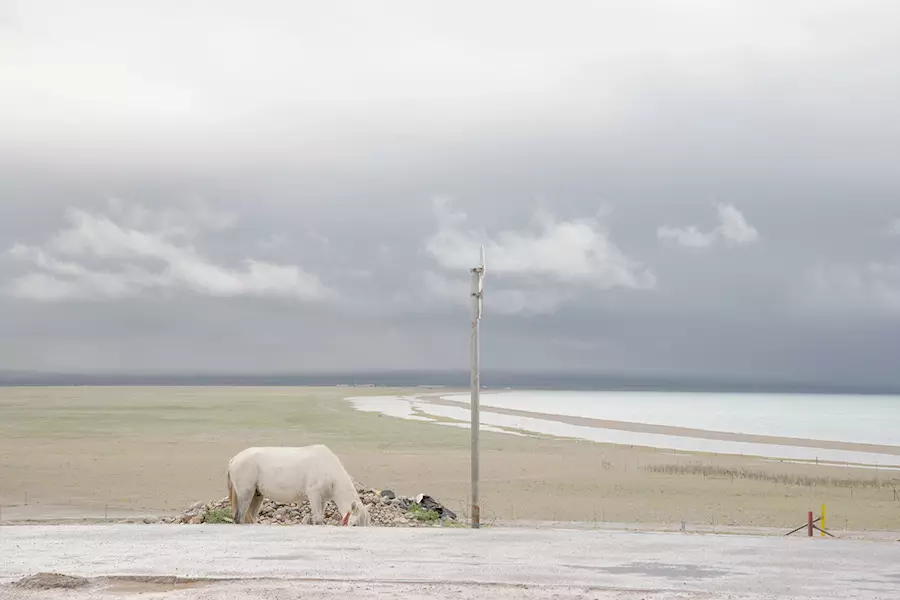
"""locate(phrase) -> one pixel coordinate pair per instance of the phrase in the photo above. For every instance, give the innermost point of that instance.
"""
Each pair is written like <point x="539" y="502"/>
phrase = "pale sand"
<point x="83" y="451"/>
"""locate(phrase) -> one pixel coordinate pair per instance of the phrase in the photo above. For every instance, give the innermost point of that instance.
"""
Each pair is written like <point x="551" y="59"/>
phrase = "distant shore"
<point x="492" y="379"/>
<point x="131" y="451"/>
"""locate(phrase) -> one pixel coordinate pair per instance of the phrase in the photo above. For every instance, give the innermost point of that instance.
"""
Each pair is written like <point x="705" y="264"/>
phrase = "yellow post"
<point x="822" y="534"/>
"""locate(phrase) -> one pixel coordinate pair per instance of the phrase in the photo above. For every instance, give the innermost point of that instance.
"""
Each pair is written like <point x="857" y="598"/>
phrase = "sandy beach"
<point x="75" y="452"/>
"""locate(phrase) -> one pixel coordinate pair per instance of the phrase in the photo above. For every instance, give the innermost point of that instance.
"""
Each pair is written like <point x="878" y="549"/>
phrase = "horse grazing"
<point x="285" y="474"/>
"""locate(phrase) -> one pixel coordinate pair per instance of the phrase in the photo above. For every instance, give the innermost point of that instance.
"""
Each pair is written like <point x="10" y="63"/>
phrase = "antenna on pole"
<point x="477" y="307"/>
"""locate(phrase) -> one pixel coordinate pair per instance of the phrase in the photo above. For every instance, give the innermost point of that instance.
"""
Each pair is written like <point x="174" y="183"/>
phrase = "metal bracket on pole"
<point x="810" y="526"/>
<point x="477" y="306"/>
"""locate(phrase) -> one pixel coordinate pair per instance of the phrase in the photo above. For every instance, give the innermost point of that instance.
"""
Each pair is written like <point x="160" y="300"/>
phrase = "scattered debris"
<point x="429" y="503"/>
<point x="385" y="508"/>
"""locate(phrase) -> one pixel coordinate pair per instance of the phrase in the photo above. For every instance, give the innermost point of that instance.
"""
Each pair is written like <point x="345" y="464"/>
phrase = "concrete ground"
<point x="327" y="562"/>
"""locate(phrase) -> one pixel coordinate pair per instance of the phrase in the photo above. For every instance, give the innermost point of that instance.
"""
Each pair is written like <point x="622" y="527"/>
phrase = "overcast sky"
<point x="697" y="188"/>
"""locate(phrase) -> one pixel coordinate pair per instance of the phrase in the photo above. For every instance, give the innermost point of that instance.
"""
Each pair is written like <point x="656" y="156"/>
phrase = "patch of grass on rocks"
<point x="218" y="516"/>
<point x="423" y="515"/>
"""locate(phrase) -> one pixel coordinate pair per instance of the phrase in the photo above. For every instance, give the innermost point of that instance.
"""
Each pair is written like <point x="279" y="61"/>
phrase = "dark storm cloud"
<point x="692" y="188"/>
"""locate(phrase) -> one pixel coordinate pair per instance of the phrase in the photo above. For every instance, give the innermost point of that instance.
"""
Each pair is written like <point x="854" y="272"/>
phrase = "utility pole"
<point x="477" y="306"/>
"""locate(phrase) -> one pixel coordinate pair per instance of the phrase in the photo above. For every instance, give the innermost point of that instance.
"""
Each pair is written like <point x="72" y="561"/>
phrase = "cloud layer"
<point x="318" y="134"/>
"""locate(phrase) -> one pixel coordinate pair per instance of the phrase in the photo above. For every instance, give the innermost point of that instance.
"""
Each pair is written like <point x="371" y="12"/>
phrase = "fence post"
<point x="809" y="523"/>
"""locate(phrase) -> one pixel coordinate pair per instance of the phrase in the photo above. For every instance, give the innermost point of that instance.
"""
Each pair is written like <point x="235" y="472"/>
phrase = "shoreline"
<point x="683" y="431"/>
<point x="745" y="442"/>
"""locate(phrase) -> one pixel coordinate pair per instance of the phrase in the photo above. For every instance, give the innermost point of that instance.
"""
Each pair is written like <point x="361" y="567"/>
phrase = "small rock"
<point x="388" y="494"/>
<point x="151" y="520"/>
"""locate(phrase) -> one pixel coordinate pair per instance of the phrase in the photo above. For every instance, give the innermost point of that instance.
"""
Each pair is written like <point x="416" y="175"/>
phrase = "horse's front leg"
<point x="316" y="507"/>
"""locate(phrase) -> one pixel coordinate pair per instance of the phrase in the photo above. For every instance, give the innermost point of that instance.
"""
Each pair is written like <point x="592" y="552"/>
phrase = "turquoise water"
<point x="861" y="419"/>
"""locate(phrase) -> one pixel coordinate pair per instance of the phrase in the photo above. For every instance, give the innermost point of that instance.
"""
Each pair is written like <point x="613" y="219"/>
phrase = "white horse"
<point x="285" y="474"/>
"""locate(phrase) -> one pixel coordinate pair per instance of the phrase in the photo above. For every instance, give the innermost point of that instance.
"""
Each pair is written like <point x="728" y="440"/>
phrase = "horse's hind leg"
<point x="240" y="506"/>
<point x="232" y="499"/>
<point x="316" y="507"/>
<point x="236" y="512"/>
<point x="235" y="500"/>
<point x="255" y="505"/>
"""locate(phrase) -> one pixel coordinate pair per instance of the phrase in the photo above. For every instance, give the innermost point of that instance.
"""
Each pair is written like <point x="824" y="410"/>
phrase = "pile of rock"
<point x="385" y="508"/>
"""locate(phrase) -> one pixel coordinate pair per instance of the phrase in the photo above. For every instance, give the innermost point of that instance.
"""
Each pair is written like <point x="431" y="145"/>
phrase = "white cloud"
<point x="134" y="251"/>
<point x="689" y="237"/>
<point x="537" y="270"/>
<point x="733" y="229"/>
<point x="578" y="251"/>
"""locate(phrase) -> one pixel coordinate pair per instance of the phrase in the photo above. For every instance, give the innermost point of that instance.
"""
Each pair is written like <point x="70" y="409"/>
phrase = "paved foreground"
<point x="330" y="562"/>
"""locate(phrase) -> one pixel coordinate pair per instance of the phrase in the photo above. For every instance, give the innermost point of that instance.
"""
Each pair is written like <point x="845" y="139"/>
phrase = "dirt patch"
<point x="144" y="585"/>
<point x="51" y="581"/>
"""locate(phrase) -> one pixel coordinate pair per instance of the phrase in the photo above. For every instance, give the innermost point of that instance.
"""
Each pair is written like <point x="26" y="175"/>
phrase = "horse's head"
<point x="358" y="515"/>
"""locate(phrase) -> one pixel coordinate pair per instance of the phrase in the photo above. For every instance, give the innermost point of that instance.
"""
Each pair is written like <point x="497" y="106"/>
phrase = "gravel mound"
<point x="386" y="510"/>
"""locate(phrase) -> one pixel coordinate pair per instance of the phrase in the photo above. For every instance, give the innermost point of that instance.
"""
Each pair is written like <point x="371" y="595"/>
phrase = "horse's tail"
<point x="232" y="497"/>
